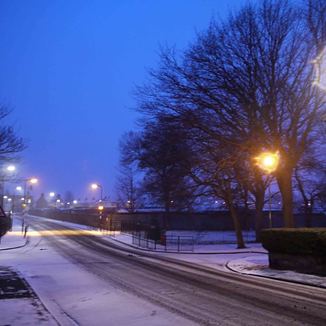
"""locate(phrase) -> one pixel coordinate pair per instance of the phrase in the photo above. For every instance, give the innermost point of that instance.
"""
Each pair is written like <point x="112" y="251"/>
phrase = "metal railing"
<point x="166" y="243"/>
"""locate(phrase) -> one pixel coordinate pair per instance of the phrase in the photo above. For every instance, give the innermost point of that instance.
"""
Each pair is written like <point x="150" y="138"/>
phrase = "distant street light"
<point x="31" y="181"/>
<point x="96" y="186"/>
<point x="6" y="169"/>
<point x="11" y="168"/>
<point x="52" y="194"/>
<point x="75" y="202"/>
<point x="268" y="162"/>
<point x="19" y="188"/>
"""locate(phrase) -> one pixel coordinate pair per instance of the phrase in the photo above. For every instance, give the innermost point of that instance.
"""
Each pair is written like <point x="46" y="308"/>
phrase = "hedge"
<point x="300" y="241"/>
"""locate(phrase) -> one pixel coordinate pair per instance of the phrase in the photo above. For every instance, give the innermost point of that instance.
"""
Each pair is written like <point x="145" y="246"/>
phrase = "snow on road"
<point x="73" y="295"/>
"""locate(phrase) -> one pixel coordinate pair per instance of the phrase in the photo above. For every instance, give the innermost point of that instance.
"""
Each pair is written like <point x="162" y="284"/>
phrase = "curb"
<point x="17" y="247"/>
<point x="273" y="277"/>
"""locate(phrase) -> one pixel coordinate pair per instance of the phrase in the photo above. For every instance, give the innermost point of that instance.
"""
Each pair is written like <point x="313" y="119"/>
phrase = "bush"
<point x="301" y="241"/>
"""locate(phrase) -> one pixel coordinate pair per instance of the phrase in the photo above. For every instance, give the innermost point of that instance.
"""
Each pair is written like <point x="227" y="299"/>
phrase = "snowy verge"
<point x="258" y="266"/>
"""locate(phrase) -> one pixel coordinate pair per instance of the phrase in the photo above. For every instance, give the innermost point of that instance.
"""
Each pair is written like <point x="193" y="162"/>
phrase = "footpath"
<point x="19" y="304"/>
<point x="25" y="307"/>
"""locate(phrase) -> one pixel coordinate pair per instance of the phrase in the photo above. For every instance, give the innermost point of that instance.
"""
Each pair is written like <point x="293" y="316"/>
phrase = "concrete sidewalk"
<point x="17" y="298"/>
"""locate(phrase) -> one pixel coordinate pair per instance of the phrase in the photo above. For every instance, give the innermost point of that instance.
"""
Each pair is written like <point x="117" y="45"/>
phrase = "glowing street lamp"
<point x="96" y="186"/>
<point x="268" y="162"/>
<point x="19" y="188"/>
<point x="52" y="194"/>
<point x="11" y="168"/>
<point x="31" y="181"/>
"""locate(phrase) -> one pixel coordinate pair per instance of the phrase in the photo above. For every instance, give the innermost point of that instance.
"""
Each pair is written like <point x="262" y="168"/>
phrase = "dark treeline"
<point x="10" y="145"/>
<point x="245" y="85"/>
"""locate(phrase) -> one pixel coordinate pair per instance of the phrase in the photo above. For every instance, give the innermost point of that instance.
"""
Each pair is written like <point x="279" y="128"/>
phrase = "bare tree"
<point x="248" y="83"/>
<point x="214" y="170"/>
<point x="10" y="143"/>
<point x="315" y="14"/>
<point x="310" y="180"/>
<point x="127" y="188"/>
<point x="161" y="153"/>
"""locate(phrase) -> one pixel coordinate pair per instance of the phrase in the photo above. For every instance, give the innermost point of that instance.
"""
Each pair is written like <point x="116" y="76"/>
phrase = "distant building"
<point x="41" y="202"/>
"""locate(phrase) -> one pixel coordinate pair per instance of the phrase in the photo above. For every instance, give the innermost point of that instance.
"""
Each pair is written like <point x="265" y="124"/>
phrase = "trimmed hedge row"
<point x="301" y="241"/>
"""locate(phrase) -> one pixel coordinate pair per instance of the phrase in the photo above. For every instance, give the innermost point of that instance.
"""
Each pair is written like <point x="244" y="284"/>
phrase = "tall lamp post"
<point x="96" y="186"/>
<point x="31" y="181"/>
<point x="268" y="162"/>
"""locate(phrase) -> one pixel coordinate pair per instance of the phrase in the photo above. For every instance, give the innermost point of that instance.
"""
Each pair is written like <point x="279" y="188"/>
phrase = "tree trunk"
<point x="260" y="198"/>
<point x="237" y="226"/>
<point x="284" y="180"/>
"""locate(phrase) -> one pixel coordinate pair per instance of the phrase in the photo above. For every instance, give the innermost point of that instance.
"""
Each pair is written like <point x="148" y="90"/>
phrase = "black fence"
<point x="165" y="243"/>
<point x="206" y="221"/>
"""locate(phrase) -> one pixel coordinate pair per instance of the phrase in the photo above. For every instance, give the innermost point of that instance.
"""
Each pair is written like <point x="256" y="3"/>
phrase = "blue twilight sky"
<point x="68" y="70"/>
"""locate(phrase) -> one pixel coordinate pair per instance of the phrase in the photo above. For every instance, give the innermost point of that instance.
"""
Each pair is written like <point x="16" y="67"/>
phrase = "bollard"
<point x="26" y="229"/>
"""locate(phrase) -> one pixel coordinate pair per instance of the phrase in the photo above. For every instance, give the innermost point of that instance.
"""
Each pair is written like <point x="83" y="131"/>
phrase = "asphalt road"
<point x="200" y="295"/>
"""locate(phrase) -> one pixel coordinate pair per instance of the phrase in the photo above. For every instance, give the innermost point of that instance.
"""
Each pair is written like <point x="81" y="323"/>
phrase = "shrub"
<point x="301" y="241"/>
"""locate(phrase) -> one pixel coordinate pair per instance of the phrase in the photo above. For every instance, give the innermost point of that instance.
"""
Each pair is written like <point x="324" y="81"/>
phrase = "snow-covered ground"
<point x="251" y="260"/>
<point x="64" y="287"/>
<point x="213" y="237"/>
<point x="14" y="238"/>
<point x="71" y="294"/>
<point x="258" y="265"/>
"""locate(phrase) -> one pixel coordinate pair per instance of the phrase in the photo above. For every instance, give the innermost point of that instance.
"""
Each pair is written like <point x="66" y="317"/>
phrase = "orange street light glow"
<point x="100" y="208"/>
<point x="48" y="233"/>
<point x="33" y="180"/>
<point x="268" y="161"/>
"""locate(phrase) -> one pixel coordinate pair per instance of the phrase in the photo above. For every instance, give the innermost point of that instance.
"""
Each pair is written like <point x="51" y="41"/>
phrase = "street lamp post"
<point x="96" y="186"/>
<point x="268" y="162"/>
<point x="32" y="181"/>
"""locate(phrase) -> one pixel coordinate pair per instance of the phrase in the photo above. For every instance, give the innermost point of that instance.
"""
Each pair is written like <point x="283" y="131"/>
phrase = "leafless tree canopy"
<point x="10" y="143"/>
<point x="246" y="84"/>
